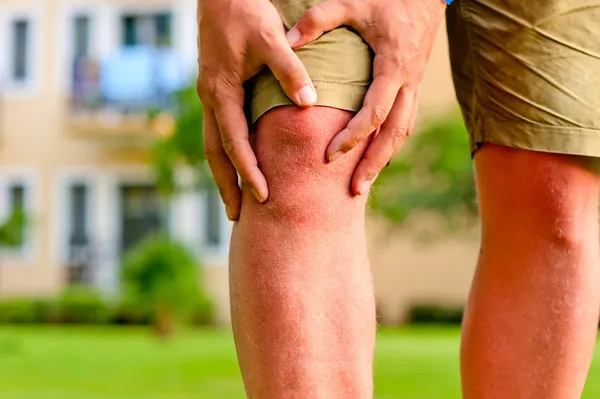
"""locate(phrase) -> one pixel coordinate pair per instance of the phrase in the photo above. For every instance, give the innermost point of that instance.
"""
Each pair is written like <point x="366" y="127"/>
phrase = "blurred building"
<point x="76" y="80"/>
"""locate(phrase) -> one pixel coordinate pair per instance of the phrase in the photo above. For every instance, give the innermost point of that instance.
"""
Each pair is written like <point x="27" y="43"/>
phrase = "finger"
<point x="320" y="18"/>
<point x="392" y="135"/>
<point x="290" y="72"/>
<point x="233" y="127"/>
<point x="221" y="167"/>
<point x="378" y="102"/>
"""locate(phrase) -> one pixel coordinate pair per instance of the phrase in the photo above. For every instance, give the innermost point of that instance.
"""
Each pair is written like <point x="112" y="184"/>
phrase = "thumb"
<point x="321" y="18"/>
<point x="291" y="73"/>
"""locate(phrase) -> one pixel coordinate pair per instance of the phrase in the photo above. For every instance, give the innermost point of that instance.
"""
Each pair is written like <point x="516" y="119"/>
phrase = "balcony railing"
<point x="80" y="262"/>
<point x="117" y="95"/>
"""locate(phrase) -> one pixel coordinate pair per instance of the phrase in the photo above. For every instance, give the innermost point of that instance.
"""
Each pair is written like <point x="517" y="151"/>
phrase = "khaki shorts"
<point x="526" y="73"/>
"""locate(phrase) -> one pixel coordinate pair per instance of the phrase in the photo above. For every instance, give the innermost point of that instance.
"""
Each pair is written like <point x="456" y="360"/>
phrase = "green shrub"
<point x="433" y="174"/>
<point x="27" y="311"/>
<point x="128" y="313"/>
<point x="203" y="313"/>
<point x="82" y="305"/>
<point x="160" y="278"/>
<point x="12" y="230"/>
<point x="19" y="311"/>
<point x="434" y="314"/>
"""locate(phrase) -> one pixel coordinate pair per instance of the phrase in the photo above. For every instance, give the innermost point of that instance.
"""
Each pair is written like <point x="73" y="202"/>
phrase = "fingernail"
<point x="307" y="96"/>
<point x="258" y="197"/>
<point x="293" y="36"/>
<point x="364" y="187"/>
<point x="335" y="156"/>
<point x="229" y="212"/>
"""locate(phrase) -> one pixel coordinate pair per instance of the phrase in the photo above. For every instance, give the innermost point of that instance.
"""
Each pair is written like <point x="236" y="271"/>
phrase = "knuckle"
<point x="402" y="66"/>
<point x="375" y="167"/>
<point x="212" y="85"/>
<point x="268" y="36"/>
<point x="199" y="88"/>
<point x="211" y="155"/>
<point x="313" y="19"/>
<point x="399" y="135"/>
<point x="372" y="166"/>
<point x="202" y="85"/>
<point x="352" y="141"/>
<point x="378" y="115"/>
<point x="394" y="65"/>
<point x="229" y="145"/>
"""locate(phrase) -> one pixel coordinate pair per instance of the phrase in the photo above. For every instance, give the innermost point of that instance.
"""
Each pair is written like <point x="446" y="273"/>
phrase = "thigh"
<point x="535" y="73"/>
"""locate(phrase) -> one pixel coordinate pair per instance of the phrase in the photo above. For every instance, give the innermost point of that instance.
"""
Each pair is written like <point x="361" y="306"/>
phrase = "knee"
<point x="290" y="145"/>
<point x="530" y="197"/>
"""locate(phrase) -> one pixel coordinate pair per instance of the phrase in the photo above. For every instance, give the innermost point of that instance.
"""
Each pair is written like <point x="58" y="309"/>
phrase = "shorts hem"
<point x="552" y="139"/>
<point x="346" y="96"/>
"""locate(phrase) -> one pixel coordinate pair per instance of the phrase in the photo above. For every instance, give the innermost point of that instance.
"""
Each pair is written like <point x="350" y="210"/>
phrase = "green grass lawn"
<point x="112" y="363"/>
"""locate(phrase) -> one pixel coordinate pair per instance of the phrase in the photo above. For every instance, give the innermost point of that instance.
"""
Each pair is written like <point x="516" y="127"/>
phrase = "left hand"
<point x="401" y="34"/>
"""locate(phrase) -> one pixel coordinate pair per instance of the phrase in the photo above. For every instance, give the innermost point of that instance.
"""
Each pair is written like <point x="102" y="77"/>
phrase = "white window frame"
<point x="28" y="179"/>
<point x="9" y="14"/>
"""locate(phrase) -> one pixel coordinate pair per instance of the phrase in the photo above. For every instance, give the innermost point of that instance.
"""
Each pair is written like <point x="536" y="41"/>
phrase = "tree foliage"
<point x="12" y="230"/>
<point x="432" y="174"/>
<point x="185" y="146"/>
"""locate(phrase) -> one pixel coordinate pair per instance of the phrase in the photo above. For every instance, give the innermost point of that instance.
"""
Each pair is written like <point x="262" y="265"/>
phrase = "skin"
<point x="302" y="300"/>
<point x="532" y="317"/>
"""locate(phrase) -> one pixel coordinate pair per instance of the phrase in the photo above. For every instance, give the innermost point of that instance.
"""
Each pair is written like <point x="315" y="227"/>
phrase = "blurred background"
<point x="114" y="242"/>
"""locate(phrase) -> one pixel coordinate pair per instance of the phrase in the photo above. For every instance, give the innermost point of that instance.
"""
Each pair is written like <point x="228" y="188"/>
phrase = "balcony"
<point x="115" y="98"/>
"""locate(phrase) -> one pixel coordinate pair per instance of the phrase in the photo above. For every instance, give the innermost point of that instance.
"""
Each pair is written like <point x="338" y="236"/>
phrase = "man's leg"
<point x="301" y="292"/>
<point x="532" y="317"/>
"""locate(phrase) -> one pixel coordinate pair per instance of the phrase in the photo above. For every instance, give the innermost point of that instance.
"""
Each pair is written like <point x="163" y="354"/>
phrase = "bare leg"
<point x="532" y="318"/>
<point x="301" y="293"/>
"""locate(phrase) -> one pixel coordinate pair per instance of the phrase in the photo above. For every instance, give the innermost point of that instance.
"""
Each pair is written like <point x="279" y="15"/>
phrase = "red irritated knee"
<point x="290" y="145"/>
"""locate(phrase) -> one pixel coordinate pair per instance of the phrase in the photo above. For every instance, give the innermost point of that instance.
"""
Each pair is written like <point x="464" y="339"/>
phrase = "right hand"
<point x="236" y="39"/>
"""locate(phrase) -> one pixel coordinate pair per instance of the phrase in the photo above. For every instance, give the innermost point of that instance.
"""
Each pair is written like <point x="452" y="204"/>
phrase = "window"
<point x="20" y="46"/>
<point x="163" y="30"/>
<point x="213" y="231"/>
<point x="81" y="36"/>
<point x="142" y="213"/>
<point x="17" y="197"/>
<point x="79" y="215"/>
<point x="16" y="200"/>
<point x="151" y="30"/>
<point x="80" y="252"/>
<point x="17" y="190"/>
